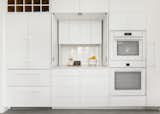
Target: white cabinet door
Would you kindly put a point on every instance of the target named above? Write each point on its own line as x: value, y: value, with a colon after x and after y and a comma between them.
x: 29, y: 97
x: 80, y: 88
x: 66, y: 6
x: 153, y: 54
x: 127, y: 14
x: 39, y: 40
x: 16, y: 41
x: 127, y: 5
x: 126, y: 20
x: 94, y: 88
x: 93, y: 6
x: 66, y: 88
x: 28, y: 78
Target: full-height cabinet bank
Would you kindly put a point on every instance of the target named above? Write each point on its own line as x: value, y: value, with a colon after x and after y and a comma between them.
x: 79, y: 53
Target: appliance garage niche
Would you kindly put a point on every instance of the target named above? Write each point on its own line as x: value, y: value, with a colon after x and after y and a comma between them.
x: 81, y: 39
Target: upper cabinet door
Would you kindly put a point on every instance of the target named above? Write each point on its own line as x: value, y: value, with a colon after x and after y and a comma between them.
x: 93, y: 6
x: 65, y: 6
x: 16, y: 41
x: 127, y: 14
x: 39, y: 40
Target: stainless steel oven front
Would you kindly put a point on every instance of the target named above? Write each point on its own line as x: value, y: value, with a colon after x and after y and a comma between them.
x: 128, y: 81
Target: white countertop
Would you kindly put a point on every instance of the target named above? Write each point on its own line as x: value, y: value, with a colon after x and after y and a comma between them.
x: 80, y: 67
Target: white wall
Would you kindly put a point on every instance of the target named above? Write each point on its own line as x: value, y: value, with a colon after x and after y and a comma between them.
x: 153, y: 55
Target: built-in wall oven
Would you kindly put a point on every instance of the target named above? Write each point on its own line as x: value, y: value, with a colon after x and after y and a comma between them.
x: 128, y: 81
x: 127, y: 48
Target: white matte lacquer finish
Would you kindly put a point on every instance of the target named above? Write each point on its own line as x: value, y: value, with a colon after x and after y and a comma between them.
x: 83, y: 6
x: 66, y: 6
x: 29, y: 44
x: 80, y: 87
x: 153, y: 55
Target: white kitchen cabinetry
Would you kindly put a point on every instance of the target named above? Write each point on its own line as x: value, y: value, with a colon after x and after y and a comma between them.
x: 153, y: 55
x: 16, y: 41
x: 76, y: 6
x: 79, y: 88
x: 28, y: 88
x: 66, y: 88
x: 127, y: 20
x: 130, y: 101
x: 28, y: 40
x: 65, y: 6
x: 93, y: 6
x: 39, y: 40
x: 127, y: 14
x: 94, y: 88
x: 28, y: 78
x: 29, y: 97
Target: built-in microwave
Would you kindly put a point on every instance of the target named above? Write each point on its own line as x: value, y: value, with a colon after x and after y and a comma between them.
x: 128, y: 81
x: 127, y: 48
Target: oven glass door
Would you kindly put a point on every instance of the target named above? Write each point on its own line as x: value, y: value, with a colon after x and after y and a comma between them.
x: 127, y: 49
x: 128, y: 82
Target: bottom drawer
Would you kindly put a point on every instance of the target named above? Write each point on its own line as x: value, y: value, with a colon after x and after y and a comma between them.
x: 29, y: 97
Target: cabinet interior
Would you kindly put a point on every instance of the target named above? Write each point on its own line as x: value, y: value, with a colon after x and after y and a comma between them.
x: 79, y: 53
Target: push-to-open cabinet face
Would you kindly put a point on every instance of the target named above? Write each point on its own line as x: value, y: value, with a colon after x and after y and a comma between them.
x: 81, y: 40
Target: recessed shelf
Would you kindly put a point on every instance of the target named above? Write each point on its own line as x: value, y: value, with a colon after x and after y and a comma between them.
x: 45, y: 8
x: 11, y: 1
x: 28, y: 1
x: 28, y: 8
x: 19, y: 8
x: 19, y: 1
x: 11, y: 9
x: 36, y: 8
x: 36, y: 1
x: 45, y: 1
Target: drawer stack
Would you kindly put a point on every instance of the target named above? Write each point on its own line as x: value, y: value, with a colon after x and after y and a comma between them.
x: 28, y: 88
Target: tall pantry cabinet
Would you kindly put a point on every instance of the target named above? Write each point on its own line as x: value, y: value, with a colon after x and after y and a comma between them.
x: 153, y: 53
x: 28, y: 52
x: 28, y: 41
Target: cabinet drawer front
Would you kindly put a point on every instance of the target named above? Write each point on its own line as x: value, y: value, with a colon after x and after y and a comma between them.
x: 28, y: 78
x: 29, y: 96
